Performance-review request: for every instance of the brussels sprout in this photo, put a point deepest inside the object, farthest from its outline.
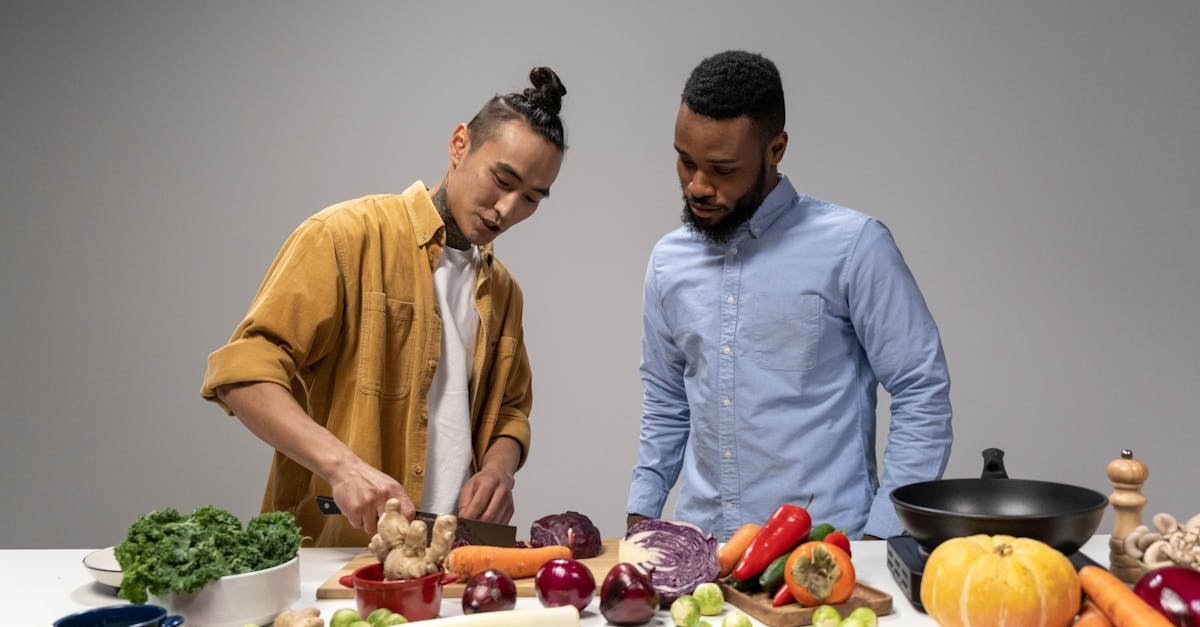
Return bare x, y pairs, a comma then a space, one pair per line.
866, 615
736, 619
344, 617
685, 611
852, 622
709, 596
376, 617
826, 616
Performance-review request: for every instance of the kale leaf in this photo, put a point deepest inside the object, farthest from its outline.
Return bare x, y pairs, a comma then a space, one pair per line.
166, 552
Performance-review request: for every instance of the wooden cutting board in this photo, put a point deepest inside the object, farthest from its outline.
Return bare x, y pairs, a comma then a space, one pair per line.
758, 605
599, 565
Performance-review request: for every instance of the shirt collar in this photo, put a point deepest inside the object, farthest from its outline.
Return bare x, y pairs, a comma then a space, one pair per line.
427, 222
772, 207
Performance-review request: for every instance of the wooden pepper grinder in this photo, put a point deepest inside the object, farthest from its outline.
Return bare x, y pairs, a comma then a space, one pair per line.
1127, 476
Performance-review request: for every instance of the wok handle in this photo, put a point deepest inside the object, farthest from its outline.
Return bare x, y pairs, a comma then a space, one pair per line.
993, 464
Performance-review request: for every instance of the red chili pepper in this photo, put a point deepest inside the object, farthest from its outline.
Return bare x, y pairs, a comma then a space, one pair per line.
783, 597
786, 528
838, 539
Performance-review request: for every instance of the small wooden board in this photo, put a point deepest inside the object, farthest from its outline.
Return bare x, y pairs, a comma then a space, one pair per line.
599, 565
758, 605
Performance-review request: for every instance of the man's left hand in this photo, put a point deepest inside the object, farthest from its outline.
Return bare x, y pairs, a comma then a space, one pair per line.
488, 494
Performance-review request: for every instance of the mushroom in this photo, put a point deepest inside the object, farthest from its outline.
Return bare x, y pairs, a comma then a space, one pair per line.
1174, 545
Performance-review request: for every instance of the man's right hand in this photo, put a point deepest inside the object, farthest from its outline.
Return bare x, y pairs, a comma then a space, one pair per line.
271, 412
362, 492
633, 519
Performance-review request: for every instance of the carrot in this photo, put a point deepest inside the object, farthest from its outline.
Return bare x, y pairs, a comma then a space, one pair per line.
730, 552
470, 560
1117, 601
1091, 616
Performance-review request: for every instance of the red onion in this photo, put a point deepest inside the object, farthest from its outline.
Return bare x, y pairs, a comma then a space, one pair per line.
489, 591
564, 582
626, 596
1175, 592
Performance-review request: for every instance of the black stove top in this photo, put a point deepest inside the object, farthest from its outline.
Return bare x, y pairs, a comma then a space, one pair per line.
906, 561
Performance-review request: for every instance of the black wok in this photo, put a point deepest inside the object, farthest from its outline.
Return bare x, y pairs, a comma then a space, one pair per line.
1063, 516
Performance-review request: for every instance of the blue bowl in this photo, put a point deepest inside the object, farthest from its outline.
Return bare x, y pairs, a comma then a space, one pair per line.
121, 616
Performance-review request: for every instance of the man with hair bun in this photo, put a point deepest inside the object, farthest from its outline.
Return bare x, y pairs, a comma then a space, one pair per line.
383, 355
769, 320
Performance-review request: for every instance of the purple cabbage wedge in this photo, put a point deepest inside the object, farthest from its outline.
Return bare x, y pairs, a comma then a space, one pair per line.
678, 556
570, 529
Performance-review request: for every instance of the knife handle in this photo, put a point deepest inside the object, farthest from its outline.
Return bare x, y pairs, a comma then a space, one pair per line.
328, 506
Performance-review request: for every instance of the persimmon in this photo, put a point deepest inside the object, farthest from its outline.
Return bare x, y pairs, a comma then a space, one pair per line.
818, 573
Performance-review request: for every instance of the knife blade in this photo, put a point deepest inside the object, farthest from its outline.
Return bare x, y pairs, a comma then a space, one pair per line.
468, 530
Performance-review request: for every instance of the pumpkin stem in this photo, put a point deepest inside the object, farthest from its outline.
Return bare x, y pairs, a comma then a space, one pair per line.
1004, 550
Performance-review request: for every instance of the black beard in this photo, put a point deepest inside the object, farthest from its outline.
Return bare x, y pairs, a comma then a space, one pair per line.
454, 235
719, 232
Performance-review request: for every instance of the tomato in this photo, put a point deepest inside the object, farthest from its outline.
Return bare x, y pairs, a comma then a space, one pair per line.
819, 573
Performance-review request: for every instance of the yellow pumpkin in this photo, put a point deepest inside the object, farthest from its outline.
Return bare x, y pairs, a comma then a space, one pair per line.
989, 581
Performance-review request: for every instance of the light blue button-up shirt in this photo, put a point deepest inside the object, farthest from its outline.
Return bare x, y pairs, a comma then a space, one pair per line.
760, 362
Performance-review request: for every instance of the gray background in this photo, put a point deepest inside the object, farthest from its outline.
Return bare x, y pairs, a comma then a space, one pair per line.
1037, 162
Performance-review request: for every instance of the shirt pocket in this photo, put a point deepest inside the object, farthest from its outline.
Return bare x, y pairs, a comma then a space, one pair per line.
785, 331
385, 351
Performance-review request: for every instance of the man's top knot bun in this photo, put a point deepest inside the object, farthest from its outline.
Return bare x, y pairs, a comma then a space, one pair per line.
547, 91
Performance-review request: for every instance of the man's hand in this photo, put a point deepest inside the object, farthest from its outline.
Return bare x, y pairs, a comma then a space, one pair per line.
361, 491
488, 494
271, 413
633, 519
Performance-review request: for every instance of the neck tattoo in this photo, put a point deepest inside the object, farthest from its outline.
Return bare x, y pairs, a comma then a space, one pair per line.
454, 235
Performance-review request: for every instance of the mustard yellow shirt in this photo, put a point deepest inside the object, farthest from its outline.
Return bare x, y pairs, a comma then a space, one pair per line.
346, 318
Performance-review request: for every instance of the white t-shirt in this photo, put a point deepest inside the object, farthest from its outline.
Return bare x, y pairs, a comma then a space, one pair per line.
448, 454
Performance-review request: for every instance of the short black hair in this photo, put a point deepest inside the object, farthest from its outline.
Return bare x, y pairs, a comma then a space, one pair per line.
537, 106
734, 83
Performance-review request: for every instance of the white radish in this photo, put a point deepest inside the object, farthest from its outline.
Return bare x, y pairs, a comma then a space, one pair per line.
564, 616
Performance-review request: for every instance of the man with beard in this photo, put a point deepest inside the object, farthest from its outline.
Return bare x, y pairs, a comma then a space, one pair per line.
384, 355
769, 320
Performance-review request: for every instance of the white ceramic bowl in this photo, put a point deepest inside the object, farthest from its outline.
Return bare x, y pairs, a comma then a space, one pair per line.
235, 600
103, 567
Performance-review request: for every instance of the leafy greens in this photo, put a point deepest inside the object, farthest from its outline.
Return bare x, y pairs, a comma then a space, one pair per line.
167, 552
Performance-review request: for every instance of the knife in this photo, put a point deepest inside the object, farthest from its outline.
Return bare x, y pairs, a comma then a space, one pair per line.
468, 530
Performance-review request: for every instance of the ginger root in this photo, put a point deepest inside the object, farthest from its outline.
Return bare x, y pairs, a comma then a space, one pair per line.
307, 617
400, 545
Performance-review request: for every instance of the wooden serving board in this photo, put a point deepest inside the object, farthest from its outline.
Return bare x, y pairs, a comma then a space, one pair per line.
599, 565
758, 605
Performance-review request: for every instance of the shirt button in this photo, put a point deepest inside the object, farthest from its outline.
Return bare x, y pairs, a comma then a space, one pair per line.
432, 363
727, 350
417, 470
733, 251
728, 454
725, 402
729, 505
729, 299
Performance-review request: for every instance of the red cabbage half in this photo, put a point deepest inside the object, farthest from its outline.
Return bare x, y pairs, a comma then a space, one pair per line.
678, 556
570, 529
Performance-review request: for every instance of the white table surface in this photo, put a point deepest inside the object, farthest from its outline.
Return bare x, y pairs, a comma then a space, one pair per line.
38, 586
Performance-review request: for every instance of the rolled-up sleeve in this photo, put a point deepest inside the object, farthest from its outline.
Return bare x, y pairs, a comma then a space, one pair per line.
901, 341
512, 420
293, 320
